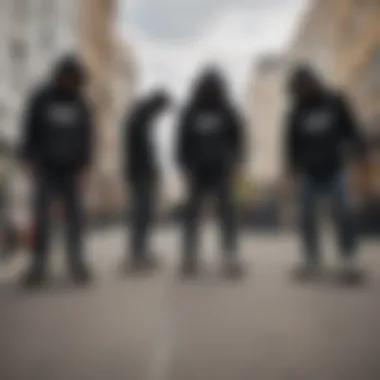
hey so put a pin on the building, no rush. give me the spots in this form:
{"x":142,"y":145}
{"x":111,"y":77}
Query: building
{"x":358,"y":65}
{"x":267,"y":107}
{"x":124,"y":85}
{"x":97,"y":42}
{"x":124,"y":77}
{"x":315,"y":41}
{"x":33,"y":35}
{"x":112,"y":75}
{"x":341,"y":39}
{"x":358,"y":69}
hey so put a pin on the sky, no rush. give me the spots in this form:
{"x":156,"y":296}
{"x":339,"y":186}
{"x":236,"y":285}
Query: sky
{"x":172,"y":39}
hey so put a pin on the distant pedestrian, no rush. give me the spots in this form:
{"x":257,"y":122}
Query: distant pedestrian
{"x":142,"y":174}
{"x":57,"y":151}
{"x":321,"y":130}
{"x":209,"y":152}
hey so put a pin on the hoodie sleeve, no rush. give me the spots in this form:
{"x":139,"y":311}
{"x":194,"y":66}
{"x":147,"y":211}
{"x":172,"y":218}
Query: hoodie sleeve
{"x":31,"y":127}
{"x":349,"y":124}
{"x":236,"y":135}
{"x":291,"y":144}
{"x":88,"y":138}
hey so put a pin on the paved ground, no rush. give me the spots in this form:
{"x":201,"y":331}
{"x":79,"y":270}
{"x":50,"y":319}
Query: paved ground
{"x":265,"y":327}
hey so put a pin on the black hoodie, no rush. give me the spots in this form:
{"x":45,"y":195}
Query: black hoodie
{"x":319,"y":131}
{"x":57,"y":124}
{"x":140,"y":162}
{"x":210,"y":130}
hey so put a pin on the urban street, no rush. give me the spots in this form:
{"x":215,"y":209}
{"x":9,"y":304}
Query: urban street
{"x":265,"y":326}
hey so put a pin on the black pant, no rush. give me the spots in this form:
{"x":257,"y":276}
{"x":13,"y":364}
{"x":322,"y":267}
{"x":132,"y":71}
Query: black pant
{"x":143,"y":192}
{"x":52,"y":185}
{"x":220,"y":188}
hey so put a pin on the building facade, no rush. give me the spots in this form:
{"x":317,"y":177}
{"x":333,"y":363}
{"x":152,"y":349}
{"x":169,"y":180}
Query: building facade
{"x":267,"y":110}
{"x":315,"y":41}
{"x":341,"y":39}
{"x":112,"y":76}
{"x":358,"y":71}
{"x":33,"y":35}
{"x":358,"y":63}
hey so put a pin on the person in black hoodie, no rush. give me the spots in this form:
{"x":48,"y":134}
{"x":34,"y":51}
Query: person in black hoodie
{"x":209,"y":150}
{"x":57,"y":151}
{"x":142,"y":173}
{"x":321,"y":131}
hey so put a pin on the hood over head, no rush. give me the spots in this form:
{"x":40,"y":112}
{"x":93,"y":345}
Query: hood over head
{"x":69,"y":72}
{"x":305,"y":84}
{"x":210,"y":89}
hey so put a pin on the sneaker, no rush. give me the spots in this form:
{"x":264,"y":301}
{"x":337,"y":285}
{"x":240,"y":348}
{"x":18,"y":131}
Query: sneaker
{"x":350,"y":271}
{"x":145,"y":264}
{"x":34,"y":278}
{"x":81,"y":275}
{"x":308,"y":270}
{"x":232,"y":268}
{"x":131,"y":264}
{"x":189,"y":267}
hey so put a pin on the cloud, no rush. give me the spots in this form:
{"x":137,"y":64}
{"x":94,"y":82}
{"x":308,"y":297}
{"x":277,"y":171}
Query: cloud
{"x":172,"y":38}
{"x":184,"y":19}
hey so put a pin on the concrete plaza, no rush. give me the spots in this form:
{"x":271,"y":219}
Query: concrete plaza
{"x":266,"y":326}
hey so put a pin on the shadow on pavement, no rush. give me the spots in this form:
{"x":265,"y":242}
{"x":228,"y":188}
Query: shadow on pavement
{"x":206,"y":276}
{"x":51,"y":287}
{"x":328,"y":277}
